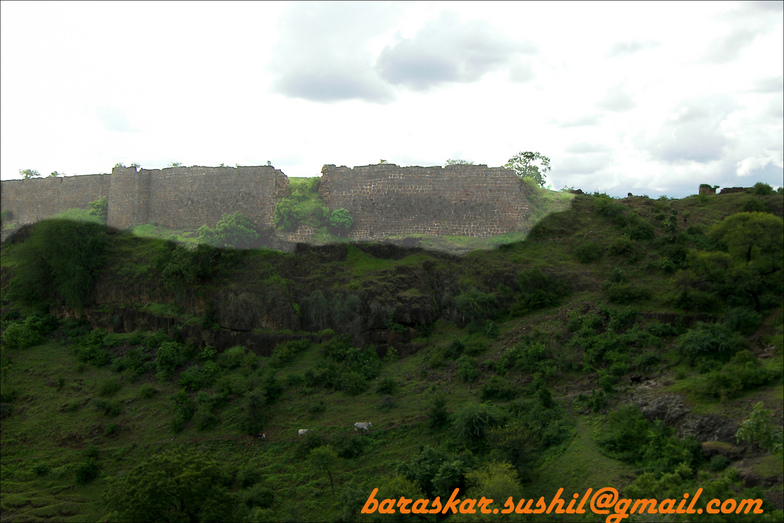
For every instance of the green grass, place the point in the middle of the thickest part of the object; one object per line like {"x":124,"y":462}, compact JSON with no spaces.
{"x":57,"y":425}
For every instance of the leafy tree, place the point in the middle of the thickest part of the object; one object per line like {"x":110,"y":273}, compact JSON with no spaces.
{"x":172,"y":486}
{"x":60,"y":260}
{"x":475,"y":305}
{"x":340,"y":221}
{"x":760,"y":428}
{"x":749,"y":262}
{"x":100,"y":208}
{"x":325,"y":459}
{"x":175,"y":164}
{"x":29,"y":173}
{"x":524,"y":166}
{"x":135,"y":166}
{"x":54,"y":174}
{"x":458,"y":162}
{"x":233,"y":230}
{"x":473,"y":422}
{"x":497,"y":481}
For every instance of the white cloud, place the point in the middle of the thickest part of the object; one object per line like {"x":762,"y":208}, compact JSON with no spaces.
{"x":615,"y":94}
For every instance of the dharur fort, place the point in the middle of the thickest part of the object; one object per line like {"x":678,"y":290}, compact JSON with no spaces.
{"x":384,"y":199}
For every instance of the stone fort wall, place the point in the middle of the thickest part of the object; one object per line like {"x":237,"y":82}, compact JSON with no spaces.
{"x":30,"y":201}
{"x":386,"y":199}
{"x":464,"y":200}
{"x":194,"y":196}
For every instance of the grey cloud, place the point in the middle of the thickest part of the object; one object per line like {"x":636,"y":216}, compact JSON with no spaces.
{"x":693,"y":132}
{"x":446,"y":50}
{"x":581,"y":163}
{"x":772,"y":84}
{"x":625,"y":48}
{"x":770,"y":174}
{"x":322,"y":53}
{"x":775,"y":110}
{"x":617,"y":100}
{"x":521,"y":73}
{"x":727,"y":49}
{"x":585,"y":147}
{"x":748,"y":21}
{"x":580,"y":122}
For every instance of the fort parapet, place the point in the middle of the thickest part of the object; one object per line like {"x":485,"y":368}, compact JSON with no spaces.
{"x":384,"y":200}
{"x":460,"y":200}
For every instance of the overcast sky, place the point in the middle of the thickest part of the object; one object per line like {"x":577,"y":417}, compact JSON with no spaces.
{"x":649,"y":98}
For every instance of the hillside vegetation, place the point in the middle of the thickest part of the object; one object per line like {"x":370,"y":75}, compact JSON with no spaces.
{"x":622,"y":344}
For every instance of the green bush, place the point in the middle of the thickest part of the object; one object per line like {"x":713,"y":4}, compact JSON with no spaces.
{"x":248,"y":476}
{"x":349,"y":446}
{"x":628,"y":436}
{"x":454,"y":349}
{"x":233,"y":230}
{"x":473,"y":421}
{"x":59,"y":262}
{"x":205,"y":420}
{"x":762,"y":189}
{"x":232,"y":357}
{"x":607,"y":207}
{"x":538,"y":290}
{"x":743,"y":372}
{"x":285,"y":352}
{"x":624,"y":246}
{"x":352,"y":383}
{"x":742,"y":320}
{"x":466,"y":368}
{"x":626,"y":293}
{"x":718,"y":463}
{"x":168,"y":358}
{"x":100,"y":209}
{"x":40,"y":468}
{"x":273,"y":388}
{"x":108,"y":388}
{"x":386,"y":386}
{"x":438,"y":416}
{"x":86,"y":471}
{"x":340,"y":222}
{"x":22,"y":334}
{"x":499,"y":389}
{"x":475,"y":305}
{"x":183,"y":411}
{"x":258,"y":496}
{"x":147,"y":391}
{"x":588,"y":252}
{"x":696,"y":300}
{"x":110,"y":430}
{"x":709,"y":340}
{"x":198,"y":377}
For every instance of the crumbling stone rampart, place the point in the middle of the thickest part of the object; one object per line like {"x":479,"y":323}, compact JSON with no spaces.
{"x":384,"y":200}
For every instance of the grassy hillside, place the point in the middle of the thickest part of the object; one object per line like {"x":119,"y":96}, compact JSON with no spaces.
{"x":621,"y":344}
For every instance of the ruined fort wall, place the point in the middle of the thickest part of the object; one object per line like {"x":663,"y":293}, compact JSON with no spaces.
{"x":386,"y":199}
{"x":36,"y":199}
{"x":466,"y":200}
{"x":189,"y":197}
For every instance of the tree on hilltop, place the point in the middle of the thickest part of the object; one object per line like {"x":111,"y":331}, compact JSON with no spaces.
{"x":54,"y":174}
{"x":524,"y":166}
{"x":29,"y":173}
{"x":458,"y":162}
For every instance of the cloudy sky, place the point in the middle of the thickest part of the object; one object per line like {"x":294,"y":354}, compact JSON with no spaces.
{"x":649,"y":98}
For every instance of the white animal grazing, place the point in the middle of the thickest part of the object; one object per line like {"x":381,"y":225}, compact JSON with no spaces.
{"x":364,"y":426}
{"x":302,"y":432}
